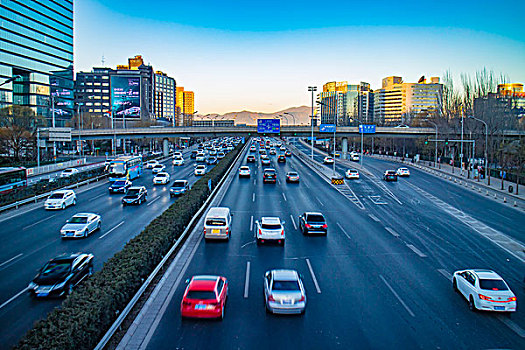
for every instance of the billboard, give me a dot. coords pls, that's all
(268, 126)
(125, 97)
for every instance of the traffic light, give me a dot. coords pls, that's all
(426, 142)
(446, 141)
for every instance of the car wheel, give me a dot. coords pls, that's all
(99, 225)
(455, 285)
(86, 233)
(69, 289)
(90, 270)
(63, 206)
(471, 304)
(258, 241)
(222, 313)
(74, 202)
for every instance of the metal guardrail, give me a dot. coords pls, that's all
(54, 167)
(189, 228)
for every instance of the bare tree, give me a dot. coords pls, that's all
(18, 126)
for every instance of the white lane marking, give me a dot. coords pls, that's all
(344, 231)
(446, 274)
(392, 232)
(313, 276)
(293, 222)
(100, 195)
(13, 258)
(373, 217)
(512, 325)
(397, 296)
(246, 244)
(253, 198)
(254, 182)
(39, 221)
(251, 223)
(114, 228)
(247, 280)
(153, 201)
(319, 201)
(278, 181)
(284, 197)
(306, 184)
(14, 297)
(417, 251)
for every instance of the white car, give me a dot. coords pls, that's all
(60, 200)
(150, 164)
(269, 229)
(354, 156)
(200, 157)
(200, 170)
(403, 172)
(252, 149)
(484, 290)
(69, 172)
(177, 155)
(244, 171)
(352, 174)
(158, 168)
(178, 161)
(161, 178)
(328, 160)
(81, 225)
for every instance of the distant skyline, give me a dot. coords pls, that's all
(262, 57)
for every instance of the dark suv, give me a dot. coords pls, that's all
(281, 159)
(269, 176)
(313, 223)
(135, 195)
(390, 175)
(250, 159)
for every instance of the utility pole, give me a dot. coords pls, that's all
(53, 114)
(461, 151)
(38, 147)
(312, 89)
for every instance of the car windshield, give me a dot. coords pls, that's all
(56, 196)
(162, 175)
(133, 192)
(55, 268)
(315, 218)
(119, 183)
(286, 285)
(179, 184)
(492, 285)
(271, 226)
(292, 174)
(68, 171)
(201, 295)
(215, 222)
(158, 166)
(117, 168)
(78, 220)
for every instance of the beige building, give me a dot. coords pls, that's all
(185, 106)
(397, 102)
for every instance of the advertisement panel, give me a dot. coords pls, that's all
(125, 97)
(268, 126)
(327, 128)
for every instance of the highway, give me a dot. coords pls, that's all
(380, 279)
(30, 237)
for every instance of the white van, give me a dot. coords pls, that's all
(217, 224)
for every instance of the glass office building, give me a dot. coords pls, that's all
(36, 48)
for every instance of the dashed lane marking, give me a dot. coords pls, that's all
(13, 258)
(284, 197)
(293, 222)
(392, 232)
(417, 251)
(247, 280)
(373, 217)
(14, 297)
(344, 231)
(446, 274)
(114, 228)
(313, 276)
(253, 198)
(397, 296)
(153, 201)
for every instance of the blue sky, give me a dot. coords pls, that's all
(262, 56)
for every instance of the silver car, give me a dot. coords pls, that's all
(81, 225)
(284, 292)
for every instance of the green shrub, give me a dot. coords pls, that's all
(90, 310)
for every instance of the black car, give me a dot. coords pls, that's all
(193, 154)
(120, 186)
(269, 176)
(288, 153)
(60, 275)
(313, 223)
(179, 187)
(250, 159)
(390, 175)
(281, 159)
(135, 195)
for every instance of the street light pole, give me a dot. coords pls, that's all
(435, 143)
(486, 147)
(461, 151)
(312, 89)
(53, 115)
(290, 114)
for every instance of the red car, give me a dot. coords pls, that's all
(205, 297)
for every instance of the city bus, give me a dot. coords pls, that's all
(12, 179)
(128, 167)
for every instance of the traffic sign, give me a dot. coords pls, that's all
(268, 126)
(367, 129)
(327, 128)
(310, 138)
(59, 134)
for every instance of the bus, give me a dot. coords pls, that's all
(12, 179)
(129, 167)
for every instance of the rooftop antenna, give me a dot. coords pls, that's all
(103, 60)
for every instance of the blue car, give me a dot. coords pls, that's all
(120, 186)
(179, 187)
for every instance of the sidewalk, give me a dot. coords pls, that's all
(454, 174)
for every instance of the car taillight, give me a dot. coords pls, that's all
(484, 297)
(205, 230)
(308, 226)
(270, 298)
(260, 232)
(302, 298)
(325, 226)
(282, 232)
(511, 299)
(226, 230)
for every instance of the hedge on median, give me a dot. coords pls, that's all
(90, 310)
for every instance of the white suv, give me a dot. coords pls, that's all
(269, 229)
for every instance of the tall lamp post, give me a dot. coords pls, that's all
(293, 117)
(81, 125)
(436, 143)
(487, 169)
(335, 124)
(312, 89)
(10, 80)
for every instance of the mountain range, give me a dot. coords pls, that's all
(301, 115)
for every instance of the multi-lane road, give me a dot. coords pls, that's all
(380, 279)
(30, 237)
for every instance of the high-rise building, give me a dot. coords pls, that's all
(164, 106)
(398, 102)
(350, 104)
(185, 106)
(506, 107)
(37, 49)
(92, 94)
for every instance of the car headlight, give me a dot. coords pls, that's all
(32, 285)
(59, 285)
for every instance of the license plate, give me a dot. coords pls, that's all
(42, 294)
(216, 231)
(502, 308)
(200, 307)
(287, 302)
